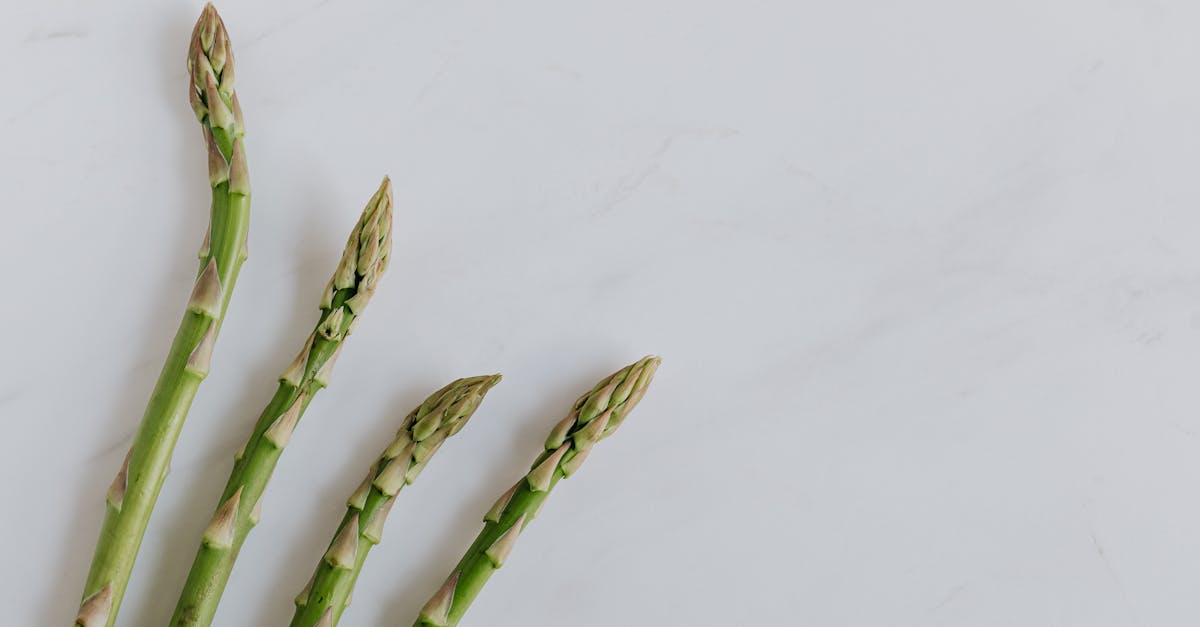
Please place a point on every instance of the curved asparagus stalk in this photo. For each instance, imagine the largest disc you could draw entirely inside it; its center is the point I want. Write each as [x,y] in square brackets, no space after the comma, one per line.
[595,416]
[423,431]
[135,489]
[349,291]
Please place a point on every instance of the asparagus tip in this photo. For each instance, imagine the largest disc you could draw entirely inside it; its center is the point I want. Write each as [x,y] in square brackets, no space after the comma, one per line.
[539,478]
[593,431]
[569,466]
[558,434]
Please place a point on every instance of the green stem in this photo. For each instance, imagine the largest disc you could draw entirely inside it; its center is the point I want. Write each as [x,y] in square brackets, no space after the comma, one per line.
[595,416]
[363,262]
[149,456]
[423,431]
[134,491]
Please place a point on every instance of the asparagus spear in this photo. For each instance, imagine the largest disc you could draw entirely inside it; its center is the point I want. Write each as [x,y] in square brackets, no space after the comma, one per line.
[595,416]
[423,431]
[363,262]
[135,489]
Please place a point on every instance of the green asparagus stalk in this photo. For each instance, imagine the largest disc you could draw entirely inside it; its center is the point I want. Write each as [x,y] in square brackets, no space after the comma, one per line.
[135,489]
[595,416]
[363,262]
[423,431]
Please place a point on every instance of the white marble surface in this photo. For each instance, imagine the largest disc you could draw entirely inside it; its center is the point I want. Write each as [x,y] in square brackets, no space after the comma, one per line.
[925,277]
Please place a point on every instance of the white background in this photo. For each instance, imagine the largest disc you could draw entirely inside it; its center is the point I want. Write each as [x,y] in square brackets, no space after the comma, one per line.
[925,277]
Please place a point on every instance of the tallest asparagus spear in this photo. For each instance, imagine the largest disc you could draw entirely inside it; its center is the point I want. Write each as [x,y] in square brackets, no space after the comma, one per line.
[133,492]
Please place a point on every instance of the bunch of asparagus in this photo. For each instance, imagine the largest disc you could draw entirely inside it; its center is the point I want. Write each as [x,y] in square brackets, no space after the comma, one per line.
[132,494]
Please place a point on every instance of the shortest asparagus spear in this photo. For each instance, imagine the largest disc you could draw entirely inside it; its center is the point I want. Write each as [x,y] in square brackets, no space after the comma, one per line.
[443,414]
[595,416]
